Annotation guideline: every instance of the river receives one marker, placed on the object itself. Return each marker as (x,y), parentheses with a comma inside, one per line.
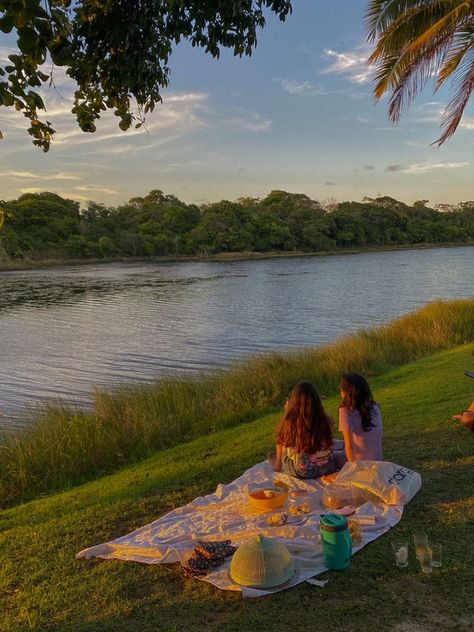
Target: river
(67,329)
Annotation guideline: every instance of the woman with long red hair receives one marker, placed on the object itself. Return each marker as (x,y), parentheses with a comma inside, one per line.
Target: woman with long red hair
(304,442)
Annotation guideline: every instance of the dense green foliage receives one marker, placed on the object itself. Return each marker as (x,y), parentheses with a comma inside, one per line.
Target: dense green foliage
(46,226)
(116,52)
(43,587)
(62,447)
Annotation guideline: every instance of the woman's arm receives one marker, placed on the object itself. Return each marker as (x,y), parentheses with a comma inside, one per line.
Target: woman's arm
(279,457)
(348,447)
(345,428)
(275,458)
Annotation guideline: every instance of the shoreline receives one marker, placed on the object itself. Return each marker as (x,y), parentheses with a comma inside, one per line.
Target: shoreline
(17,266)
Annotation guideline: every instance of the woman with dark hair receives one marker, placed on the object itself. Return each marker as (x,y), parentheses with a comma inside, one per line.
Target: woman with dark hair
(360,420)
(304,444)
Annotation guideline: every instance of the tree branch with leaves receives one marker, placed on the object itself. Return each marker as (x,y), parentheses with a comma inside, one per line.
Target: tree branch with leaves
(115,51)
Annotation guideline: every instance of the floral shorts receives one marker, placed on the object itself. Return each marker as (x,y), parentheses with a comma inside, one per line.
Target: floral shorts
(306,468)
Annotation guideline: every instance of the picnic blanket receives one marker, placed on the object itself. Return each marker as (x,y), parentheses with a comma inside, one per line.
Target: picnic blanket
(227,515)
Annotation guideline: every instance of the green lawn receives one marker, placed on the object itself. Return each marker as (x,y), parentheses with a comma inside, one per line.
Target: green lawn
(43,587)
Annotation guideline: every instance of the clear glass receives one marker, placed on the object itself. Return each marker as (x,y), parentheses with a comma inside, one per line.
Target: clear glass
(420,540)
(425,560)
(436,555)
(400,551)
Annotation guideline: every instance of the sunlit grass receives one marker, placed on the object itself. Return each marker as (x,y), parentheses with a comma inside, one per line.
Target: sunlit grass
(64,446)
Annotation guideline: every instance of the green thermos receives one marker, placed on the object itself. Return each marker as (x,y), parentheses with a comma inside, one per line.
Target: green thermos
(336,541)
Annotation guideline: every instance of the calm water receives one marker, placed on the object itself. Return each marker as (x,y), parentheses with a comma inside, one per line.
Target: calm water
(65,330)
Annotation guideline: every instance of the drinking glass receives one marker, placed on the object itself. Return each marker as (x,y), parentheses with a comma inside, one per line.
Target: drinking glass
(420,541)
(400,551)
(425,560)
(436,555)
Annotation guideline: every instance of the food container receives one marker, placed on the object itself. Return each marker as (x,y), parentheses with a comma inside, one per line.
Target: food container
(261,562)
(336,496)
(266,497)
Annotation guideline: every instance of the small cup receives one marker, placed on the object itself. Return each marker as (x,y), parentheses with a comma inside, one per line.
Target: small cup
(400,551)
(420,541)
(425,559)
(436,555)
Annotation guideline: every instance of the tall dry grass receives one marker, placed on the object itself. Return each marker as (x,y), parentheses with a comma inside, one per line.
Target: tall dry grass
(62,446)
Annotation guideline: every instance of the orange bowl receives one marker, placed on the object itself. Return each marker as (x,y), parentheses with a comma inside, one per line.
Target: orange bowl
(268,497)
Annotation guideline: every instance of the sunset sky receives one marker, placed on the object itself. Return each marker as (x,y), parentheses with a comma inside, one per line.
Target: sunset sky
(298,115)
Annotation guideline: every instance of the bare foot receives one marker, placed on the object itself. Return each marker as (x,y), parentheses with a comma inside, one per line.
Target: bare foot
(466,418)
(272,458)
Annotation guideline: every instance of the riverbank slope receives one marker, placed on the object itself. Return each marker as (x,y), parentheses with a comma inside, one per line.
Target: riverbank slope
(30,264)
(43,587)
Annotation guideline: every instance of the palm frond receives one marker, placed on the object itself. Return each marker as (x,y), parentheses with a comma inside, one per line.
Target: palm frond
(419,40)
(414,75)
(453,112)
(381,13)
(462,43)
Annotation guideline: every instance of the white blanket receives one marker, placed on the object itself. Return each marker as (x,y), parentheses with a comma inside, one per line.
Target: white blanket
(226,514)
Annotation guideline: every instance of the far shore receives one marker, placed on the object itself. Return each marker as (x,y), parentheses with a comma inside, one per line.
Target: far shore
(31,264)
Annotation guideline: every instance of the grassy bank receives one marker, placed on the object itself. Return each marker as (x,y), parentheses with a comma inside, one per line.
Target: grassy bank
(43,588)
(33,264)
(63,447)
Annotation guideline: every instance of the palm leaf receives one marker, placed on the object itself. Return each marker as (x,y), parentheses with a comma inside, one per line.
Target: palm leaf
(454,110)
(462,43)
(418,40)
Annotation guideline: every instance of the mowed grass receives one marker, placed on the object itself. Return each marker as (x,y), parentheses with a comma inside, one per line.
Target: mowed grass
(63,447)
(43,587)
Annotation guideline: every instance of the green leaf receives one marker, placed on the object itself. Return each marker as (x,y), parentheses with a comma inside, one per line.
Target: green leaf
(27,40)
(61,54)
(124,124)
(6,23)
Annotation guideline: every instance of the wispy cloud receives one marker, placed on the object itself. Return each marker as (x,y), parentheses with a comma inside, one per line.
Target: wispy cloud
(182,113)
(32,190)
(427,167)
(352,64)
(95,189)
(467,122)
(302,88)
(251,121)
(437,166)
(30,175)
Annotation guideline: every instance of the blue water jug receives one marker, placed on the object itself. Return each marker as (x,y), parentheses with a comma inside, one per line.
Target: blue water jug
(336,541)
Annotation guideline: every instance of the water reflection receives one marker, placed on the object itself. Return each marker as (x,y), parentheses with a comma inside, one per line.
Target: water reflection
(65,330)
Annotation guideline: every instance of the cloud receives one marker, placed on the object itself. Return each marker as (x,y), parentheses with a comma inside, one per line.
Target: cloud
(180,114)
(252,121)
(191,97)
(352,64)
(36,176)
(330,184)
(420,168)
(95,189)
(467,122)
(302,88)
(32,190)
(394,168)
(368,167)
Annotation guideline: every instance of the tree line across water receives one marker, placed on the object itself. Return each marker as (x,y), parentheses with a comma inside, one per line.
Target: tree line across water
(44,226)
